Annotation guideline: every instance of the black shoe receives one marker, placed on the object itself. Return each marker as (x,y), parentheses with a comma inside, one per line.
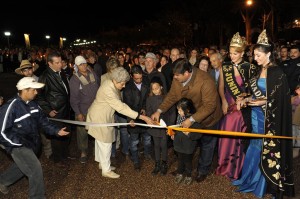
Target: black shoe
(147,157)
(156,168)
(137,166)
(164,168)
(173,173)
(200,178)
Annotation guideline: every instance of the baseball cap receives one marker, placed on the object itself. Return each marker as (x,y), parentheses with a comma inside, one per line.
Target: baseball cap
(28,82)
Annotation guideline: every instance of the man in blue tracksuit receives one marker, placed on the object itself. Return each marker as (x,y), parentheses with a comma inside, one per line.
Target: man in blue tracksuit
(20,119)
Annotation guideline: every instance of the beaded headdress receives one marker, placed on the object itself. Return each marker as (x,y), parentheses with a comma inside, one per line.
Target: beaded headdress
(263,38)
(238,41)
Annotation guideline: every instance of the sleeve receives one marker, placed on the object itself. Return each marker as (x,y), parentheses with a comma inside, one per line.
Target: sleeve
(115,103)
(209,98)
(75,94)
(42,98)
(8,137)
(170,99)
(49,127)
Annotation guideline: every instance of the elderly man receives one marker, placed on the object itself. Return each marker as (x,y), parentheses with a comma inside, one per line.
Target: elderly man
(198,86)
(151,71)
(20,118)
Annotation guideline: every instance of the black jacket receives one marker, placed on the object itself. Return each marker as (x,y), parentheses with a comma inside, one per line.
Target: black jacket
(186,143)
(136,100)
(55,94)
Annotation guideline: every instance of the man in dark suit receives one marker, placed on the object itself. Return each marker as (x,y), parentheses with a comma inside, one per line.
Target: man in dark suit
(55,101)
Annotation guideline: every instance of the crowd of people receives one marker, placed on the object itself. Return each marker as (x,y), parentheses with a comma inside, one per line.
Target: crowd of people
(242,88)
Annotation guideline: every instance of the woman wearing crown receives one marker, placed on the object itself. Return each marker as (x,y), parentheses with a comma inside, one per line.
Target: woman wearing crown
(233,84)
(268,162)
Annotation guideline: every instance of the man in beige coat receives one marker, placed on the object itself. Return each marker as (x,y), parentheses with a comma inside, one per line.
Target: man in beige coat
(102,110)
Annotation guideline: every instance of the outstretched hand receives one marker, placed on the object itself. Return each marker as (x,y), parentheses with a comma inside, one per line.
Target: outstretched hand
(62,132)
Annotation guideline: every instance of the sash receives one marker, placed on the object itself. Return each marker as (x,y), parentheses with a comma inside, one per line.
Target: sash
(230,81)
(256,92)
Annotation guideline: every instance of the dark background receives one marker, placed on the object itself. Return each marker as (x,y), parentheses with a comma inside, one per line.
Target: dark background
(91,19)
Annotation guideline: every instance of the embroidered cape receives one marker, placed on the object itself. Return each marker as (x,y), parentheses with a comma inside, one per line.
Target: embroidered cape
(276,158)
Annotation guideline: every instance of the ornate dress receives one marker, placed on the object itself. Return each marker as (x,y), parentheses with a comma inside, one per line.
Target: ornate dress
(268,162)
(231,150)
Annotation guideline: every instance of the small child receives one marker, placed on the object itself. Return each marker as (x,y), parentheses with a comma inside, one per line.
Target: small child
(185,142)
(159,135)
(295,100)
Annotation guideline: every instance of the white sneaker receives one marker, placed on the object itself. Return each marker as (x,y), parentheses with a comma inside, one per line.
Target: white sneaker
(111,167)
(3,189)
(110,174)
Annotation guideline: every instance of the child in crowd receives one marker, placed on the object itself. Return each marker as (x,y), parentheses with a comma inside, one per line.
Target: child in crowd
(159,135)
(296,120)
(185,142)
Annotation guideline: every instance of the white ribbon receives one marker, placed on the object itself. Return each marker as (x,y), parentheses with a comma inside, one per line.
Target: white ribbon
(111,124)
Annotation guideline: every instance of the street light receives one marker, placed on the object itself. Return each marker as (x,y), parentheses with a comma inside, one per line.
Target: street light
(48,38)
(247,20)
(7,34)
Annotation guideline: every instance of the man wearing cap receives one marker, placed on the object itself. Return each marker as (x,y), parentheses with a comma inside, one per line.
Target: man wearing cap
(26,69)
(151,71)
(84,85)
(53,98)
(19,120)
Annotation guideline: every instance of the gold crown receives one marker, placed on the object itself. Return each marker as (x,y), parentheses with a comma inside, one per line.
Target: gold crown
(238,41)
(263,38)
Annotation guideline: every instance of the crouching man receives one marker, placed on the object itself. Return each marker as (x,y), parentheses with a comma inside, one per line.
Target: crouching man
(20,119)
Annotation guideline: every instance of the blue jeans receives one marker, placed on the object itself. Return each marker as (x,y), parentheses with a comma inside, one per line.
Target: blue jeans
(124,136)
(25,163)
(134,141)
(207,148)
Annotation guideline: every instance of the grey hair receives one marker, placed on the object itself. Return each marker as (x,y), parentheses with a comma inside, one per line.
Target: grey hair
(120,74)
(219,56)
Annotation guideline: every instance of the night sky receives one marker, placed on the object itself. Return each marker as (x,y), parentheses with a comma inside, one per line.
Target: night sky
(73,20)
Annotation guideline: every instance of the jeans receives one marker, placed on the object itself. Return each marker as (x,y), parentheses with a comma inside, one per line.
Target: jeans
(25,163)
(124,136)
(207,148)
(134,141)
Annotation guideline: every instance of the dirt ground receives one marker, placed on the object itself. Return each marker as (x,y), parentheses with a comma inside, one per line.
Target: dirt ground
(85,180)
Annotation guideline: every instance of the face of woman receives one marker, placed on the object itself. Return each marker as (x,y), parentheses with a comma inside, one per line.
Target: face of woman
(261,58)
(163,61)
(236,57)
(203,65)
(119,85)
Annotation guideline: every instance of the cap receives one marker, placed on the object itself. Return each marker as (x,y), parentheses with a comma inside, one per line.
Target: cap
(151,55)
(80,60)
(26,64)
(28,82)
